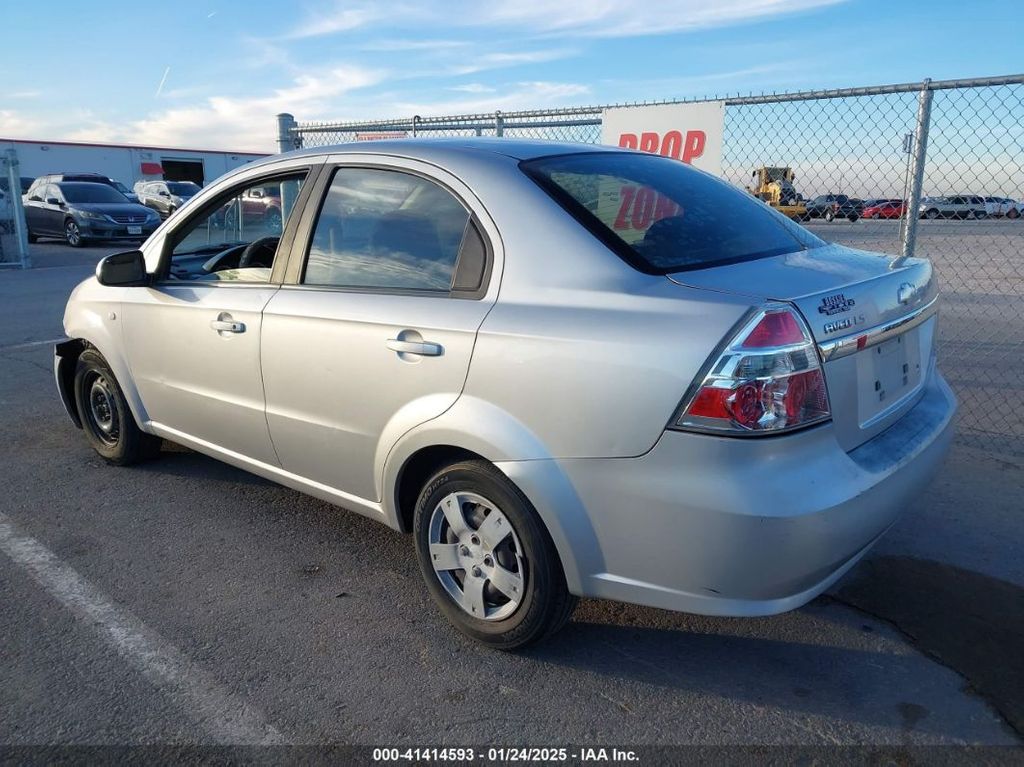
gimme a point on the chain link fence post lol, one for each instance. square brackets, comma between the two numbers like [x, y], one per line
[14, 232]
[499, 124]
[924, 117]
[286, 135]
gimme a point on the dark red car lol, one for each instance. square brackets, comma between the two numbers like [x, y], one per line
[884, 209]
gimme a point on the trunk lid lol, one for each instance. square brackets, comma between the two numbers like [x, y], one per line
[874, 325]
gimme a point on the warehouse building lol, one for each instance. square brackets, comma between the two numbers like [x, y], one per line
[123, 162]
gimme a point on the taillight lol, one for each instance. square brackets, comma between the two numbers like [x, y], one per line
[767, 380]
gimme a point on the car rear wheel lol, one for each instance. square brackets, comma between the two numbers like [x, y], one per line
[829, 215]
[488, 561]
[876, 216]
[73, 235]
[106, 418]
[931, 213]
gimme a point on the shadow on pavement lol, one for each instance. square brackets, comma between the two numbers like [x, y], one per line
[971, 622]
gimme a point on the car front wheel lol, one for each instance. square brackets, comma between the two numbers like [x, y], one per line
[487, 559]
[106, 418]
[73, 235]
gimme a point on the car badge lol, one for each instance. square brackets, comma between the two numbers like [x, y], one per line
[906, 292]
[836, 304]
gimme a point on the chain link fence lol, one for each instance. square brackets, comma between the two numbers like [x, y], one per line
[958, 146]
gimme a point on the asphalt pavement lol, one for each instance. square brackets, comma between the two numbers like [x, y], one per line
[185, 601]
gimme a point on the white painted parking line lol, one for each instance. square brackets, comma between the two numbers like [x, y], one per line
[225, 717]
[31, 344]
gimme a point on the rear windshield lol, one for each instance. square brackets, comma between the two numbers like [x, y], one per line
[662, 216]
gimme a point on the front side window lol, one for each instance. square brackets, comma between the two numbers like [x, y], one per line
[387, 230]
[235, 238]
[662, 216]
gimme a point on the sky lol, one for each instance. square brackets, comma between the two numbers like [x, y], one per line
[213, 74]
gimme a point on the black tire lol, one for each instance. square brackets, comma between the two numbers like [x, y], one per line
[546, 604]
[981, 215]
[853, 217]
[932, 214]
[73, 234]
[116, 437]
[876, 216]
[1013, 213]
[829, 215]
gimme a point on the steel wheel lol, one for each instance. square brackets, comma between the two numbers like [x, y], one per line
[102, 413]
[477, 556]
[72, 234]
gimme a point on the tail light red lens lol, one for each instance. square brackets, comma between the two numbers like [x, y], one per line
[767, 380]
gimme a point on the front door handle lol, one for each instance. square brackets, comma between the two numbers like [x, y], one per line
[224, 324]
[422, 348]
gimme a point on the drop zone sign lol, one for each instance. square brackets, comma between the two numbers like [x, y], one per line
[690, 133]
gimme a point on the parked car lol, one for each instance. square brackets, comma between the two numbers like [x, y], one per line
[258, 206]
[80, 211]
[1001, 206]
[957, 206]
[883, 209]
[686, 405]
[56, 178]
[833, 206]
[165, 197]
[24, 182]
[128, 193]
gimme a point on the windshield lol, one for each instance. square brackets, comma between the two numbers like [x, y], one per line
[662, 216]
[120, 187]
[183, 188]
[83, 192]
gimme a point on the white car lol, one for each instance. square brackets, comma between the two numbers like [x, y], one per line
[955, 206]
[1002, 206]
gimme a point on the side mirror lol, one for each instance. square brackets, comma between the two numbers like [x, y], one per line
[123, 270]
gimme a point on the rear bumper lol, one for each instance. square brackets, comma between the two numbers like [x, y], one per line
[742, 527]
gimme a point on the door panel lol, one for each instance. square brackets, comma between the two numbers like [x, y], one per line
[333, 382]
[194, 352]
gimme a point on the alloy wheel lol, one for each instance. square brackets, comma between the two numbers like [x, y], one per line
[72, 233]
[477, 556]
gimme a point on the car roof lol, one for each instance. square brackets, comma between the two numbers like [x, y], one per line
[435, 149]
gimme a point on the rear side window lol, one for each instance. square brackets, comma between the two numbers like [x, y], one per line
[387, 230]
[662, 216]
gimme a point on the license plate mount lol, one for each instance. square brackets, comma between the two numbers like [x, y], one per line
[887, 373]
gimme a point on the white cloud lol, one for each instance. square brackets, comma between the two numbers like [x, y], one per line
[342, 17]
[502, 59]
[520, 95]
[580, 18]
[472, 88]
[624, 18]
[16, 125]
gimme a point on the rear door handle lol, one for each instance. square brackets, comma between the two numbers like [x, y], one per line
[224, 324]
[423, 348]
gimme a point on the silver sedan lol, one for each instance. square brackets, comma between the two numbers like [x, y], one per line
[568, 371]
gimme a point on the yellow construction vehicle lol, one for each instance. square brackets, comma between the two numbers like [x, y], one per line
[775, 187]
